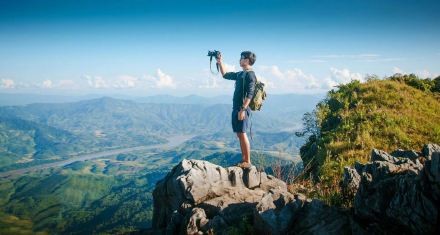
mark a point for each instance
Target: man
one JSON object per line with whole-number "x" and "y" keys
{"x": 244, "y": 91}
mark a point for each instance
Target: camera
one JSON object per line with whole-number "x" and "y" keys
{"x": 214, "y": 53}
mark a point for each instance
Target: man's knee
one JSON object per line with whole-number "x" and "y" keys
{"x": 241, "y": 134}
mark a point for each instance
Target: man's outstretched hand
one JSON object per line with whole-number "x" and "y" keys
{"x": 219, "y": 59}
{"x": 220, "y": 64}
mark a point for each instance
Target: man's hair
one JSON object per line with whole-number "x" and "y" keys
{"x": 249, "y": 55}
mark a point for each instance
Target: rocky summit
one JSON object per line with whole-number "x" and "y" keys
{"x": 394, "y": 193}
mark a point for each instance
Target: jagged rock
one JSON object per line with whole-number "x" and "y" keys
{"x": 196, "y": 221}
{"x": 410, "y": 154}
{"x": 350, "y": 182}
{"x": 210, "y": 197}
{"x": 318, "y": 218}
{"x": 380, "y": 155}
{"x": 398, "y": 195}
{"x": 393, "y": 194}
{"x": 429, "y": 149}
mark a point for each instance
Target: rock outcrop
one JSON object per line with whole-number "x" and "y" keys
{"x": 198, "y": 196}
{"x": 394, "y": 193}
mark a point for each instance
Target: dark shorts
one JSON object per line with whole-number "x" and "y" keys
{"x": 237, "y": 125}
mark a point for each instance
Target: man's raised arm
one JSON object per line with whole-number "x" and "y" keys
{"x": 220, "y": 65}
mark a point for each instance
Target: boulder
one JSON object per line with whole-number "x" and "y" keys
{"x": 210, "y": 197}
{"x": 397, "y": 194}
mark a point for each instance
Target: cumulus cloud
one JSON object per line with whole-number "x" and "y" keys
{"x": 297, "y": 80}
{"x": 160, "y": 80}
{"x": 289, "y": 80}
{"x": 344, "y": 75}
{"x": 96, "y": 82}
{"x": 398, "y": 70}
{"x": 126, "y": 81}
{"x": 47, "y": 84}
{"x": 421, "y": 73}
{"x": 340, "y": 76}
{"x": 267, "y": 83}
{"x": 7, "y": 84}
{"x": 164, "y": 80}
{"x": 275, "y": 71}
{"x": 426, "y": 74}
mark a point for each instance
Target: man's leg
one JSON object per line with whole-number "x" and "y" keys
{"x": 245, "y": 147}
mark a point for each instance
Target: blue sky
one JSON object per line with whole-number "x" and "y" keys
{"x": 159, "y": 47}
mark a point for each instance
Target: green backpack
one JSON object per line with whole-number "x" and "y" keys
{"x": 259, "y": 96}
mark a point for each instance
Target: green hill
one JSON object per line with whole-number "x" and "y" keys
{"x": 402, "y": 111}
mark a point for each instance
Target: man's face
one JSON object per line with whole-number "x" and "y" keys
{"x": 243, "y": 61}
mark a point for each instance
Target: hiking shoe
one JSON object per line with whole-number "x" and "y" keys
{"x": 244, "y": 165}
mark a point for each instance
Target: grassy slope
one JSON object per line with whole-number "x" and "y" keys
{"x": 384, "y": 114}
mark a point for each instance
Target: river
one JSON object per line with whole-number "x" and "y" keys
{"x": 173, "y": 141}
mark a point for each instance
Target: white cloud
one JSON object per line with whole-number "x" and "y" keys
{"x": 426, "y": 74}
{"x": 290, "y": 80}
{"x": 164, "y": 80}
{"x": 267, "y": 83}
{"x": 296, "y": 80}
{"x": 340, "y": 76}
{"x": 47, "y": 84}
{"x": 7, "y": 84}
{"x": 297, "y": 75}
{"x": 126, "y": 81}
{"x": 96, "y": 82}
{"x": 275, "y": 71}
{"x": 160, "y": 80}
{"x": 398, "y": 70}
{"x": 344, "y": 75}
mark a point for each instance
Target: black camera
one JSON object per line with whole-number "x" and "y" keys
{"x": 214, "y": 53}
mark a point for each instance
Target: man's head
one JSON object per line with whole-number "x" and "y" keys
{"x": 247, "y": 58}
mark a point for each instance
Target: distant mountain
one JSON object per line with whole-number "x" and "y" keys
{"x": 56, "y": 130}
{"x": 190, "y": 99}
{"x": 11, "y": 99}
{"x": 297, "y": 100}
